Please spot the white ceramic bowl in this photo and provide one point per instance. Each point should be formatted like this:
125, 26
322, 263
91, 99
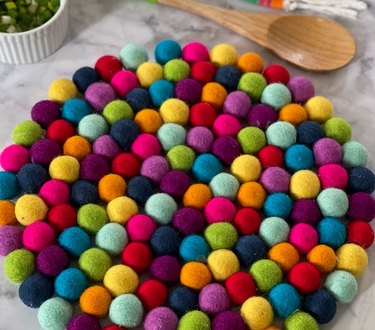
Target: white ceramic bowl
34, 45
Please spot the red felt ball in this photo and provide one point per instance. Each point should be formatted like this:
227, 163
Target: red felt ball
305, 277
240, 286
59, 131
361, 233
152, 294
107, 66
276, 74
126, 165
204, 72
62, 216
270, 156
137, 256
113, 327
247, 221
202, 114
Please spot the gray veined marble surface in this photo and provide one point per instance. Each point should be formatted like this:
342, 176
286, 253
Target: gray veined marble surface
103, 27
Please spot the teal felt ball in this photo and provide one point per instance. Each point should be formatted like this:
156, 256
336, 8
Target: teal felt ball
133, 55
206, 167
112, 238
167, 50
274, 230
333, 202
194, 248
276, 95
126, 310
224, 185
161, 207
9, 186
75, 109
281, 134
284, 299
54, 314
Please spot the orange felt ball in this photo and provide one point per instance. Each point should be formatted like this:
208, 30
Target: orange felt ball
95, 301
250, 62
148, 120
293, 113
197, 196
214, 94
77, 147
285, 255
271, 327
195, 275
111, 186
7, 213
323, 257
251, 194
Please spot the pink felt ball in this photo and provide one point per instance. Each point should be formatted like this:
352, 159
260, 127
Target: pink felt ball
14, 157
55, 192
304, 237
226, 125
123, 82
195, 52
275, 179
145, 146
333, 176
37, 236
140, 227
219, 209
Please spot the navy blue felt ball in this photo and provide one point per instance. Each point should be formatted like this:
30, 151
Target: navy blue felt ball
249, 249
361, 179
31, 178
165, 241
84, 192
321, 305
138, 99
70, 284
182, 300
309, 132
140, 189
124, 132
161, 91
35, 290
167, 50
278, 205
84, 77
228, 76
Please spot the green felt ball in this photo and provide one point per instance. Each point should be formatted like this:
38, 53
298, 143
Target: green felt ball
299, 321
354, 154
276, 95
54, 314
181, 158
126, 310
253, 84
333, 202
338, 129
26, 133
251, 139
94, 263
91, 217
92, 126
221, 235
342, 285
274, 230
194, 320
117, 110
176, 70
133, 55
112, 238
19, 265
266, 274
281, 134
224, 185
171, 135
161, 207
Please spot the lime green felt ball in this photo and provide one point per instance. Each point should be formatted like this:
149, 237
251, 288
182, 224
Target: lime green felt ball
338, 129
26, 133
19, 265
301, 320
94, 263
221, 235
117, 110
54, 314
91, 217
251, 139
266, 274
181, 158
176, 70
253, 84
194, 320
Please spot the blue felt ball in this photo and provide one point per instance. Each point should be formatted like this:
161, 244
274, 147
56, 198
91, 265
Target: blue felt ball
70, 284
321, 305
75, 109
138, 99
278, 205
75, 241
9, 187
298, 157
361, 179
84, 77
249, 249
182, 300
228, 76
284, 299
31, 178
160, 91
165, 241
35, 290
124, 132
309, 132
332, 232
140, 189
167, 50
206, 166
194, 248
84, 192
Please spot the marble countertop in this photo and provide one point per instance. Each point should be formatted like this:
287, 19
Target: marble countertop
103, 27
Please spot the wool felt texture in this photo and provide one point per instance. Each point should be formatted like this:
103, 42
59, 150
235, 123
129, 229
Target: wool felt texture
249, 249
126, 310
55, 313
226, 148
250, 62
62, 216
202, 114
61, 90
105, 146
285, 255
70, 284
148, 121
64, 168
352, 258
219, 209
251, 139
304, 184
94, 263
123, 82
193, 248
214, 94
83, 322
7, 213
228, 320
84, 77
117, 110
281, 134
44, 151
195, 275
37, 236
160, 91
321, 305
228, 76
55, 192
333, 202
304, 237
140, 189
167, 50
323, 257
166, 269
59, 131
332, 232
175, 183
261, 116
221, 235
361, 206
223, 54
124, 132
342, 285
75, 241
27, 133
327, 151
92, 217
165, 241
99, 94
301, 320
194, 52
137, 256
266, 274
240, 286
176, 70
278, 205
206, 167
52, 260
19, 265
181, 157
309, 132
76, 146
276, 95
338, 129
214, 299
74, 110
111, 186
275, 179
361, 233
161, 208
246, 168
305, 277
29, 209
270, 156
171, 135
284, 299
35, 290
45, 112
319, 109
274, 230
113, 327
275, 73
10, 239
121, 209
133, 55
298, 157
138, 99
222, 264
140, 227
237, 103
301, 88
252, 84
84, 192
107, 66
194, 320
188, 90
333, 176
14, 157
188, 220
154, 168
182, 299
203, 72
257, 313
224, 185
120, 279
247, 221
226, 124
10, 185
354, 154
361, 179
112, 238
293, 113
200, 139
153, 294
148, 73
197, 196
161, 317
145, 146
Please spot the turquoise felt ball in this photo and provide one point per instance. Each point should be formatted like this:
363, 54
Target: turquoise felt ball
206, 167
167, 50
298, 157
224, 185
284, 299
342, 285
161, 207
133, 55
332, 232
171, 135
75, 109
194, 248
92, 126
9, 187
126, 310
333, 202
278, 205
281, 134
112, 238
274, 230
54, 314
276, 95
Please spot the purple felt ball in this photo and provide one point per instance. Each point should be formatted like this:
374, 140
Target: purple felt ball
155, 167
226, 148
52, 260
301, 89
262, 116
45, 112
94, 167
238, 104
361, 206
175, 183
10, 239
166, 269
188, 90
43, 151
83, 322
306, 211
106, 146
188, 220
327, 151
99, 94
214, 299
200, 139
228, 320
161, 318
275, 179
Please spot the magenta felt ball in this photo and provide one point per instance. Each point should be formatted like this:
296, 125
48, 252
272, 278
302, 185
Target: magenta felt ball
306, 211
45, 112
304, 237
262, 116
99, 94
195, 52
106, 146
55, 192
154, 168
200, 139
238, 104
226, 148
275, 179
188, 220
219, 209
37, 236
94, 167
145, 146
226, 125
166, 269
10, 239
161, 318
140, 227
361, 206
175, 183
83, 322
52, 260
188, 90
228, 320
123, 82
327, 151
301, 89
43, 151
14, 157
333, 176
214, 299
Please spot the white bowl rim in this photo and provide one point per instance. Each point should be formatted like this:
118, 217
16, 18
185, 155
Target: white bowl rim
62, 6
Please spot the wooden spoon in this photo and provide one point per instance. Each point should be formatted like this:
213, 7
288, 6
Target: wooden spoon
310, 42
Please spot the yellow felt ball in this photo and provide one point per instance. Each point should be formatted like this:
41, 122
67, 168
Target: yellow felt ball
197, 196
352, 258
251, 194
111, 186
285, 255
77, 146
293, 113
214, 94
95, 301
304, 184
148, 73
222, 264
195, 275
121, 209
174, 111
257, 313
64, 168
250, 62
62, 90
323, 257
223, 54
319, 108
7, 213
246, 168
29, 209
148, 121
120, 279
